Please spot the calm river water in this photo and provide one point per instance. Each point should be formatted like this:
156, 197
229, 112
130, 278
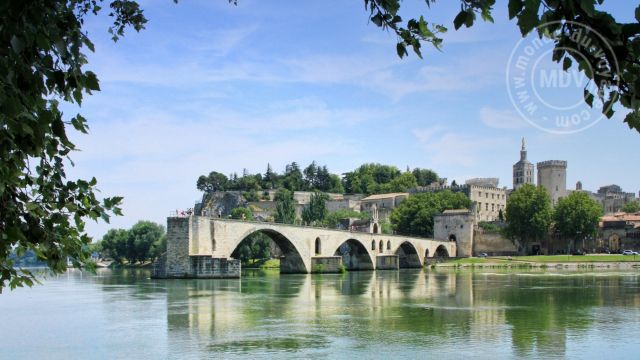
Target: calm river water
385, 314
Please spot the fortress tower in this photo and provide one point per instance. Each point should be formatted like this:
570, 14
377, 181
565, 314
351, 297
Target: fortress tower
522, 170
552, 175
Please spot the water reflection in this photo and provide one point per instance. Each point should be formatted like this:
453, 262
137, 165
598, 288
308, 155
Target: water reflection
522, 314
406, 313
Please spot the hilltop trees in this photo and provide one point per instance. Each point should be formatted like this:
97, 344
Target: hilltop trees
215, 181
366, 179
528, 214
377, 178
414, 216
316, 211
285, 207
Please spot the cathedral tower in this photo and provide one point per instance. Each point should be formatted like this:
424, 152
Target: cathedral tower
522, 170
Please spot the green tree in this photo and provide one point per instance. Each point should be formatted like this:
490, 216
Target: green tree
370, 179
144, 241
241, 213
114, 244
215, 181
576, 216
285, 207
401, 183
256, 246
270, 179
414, 216
316, 211
292, 179
528, 214
333, 218
335, 184
141, 239
631, 206
424, 177
42, 63
618, 70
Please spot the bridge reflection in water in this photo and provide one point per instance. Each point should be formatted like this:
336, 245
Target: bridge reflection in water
514, 313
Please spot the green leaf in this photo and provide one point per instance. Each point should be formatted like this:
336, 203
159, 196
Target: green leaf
528, 18
401, 49
637, 13
588, 97
515, 6
460, 19
633, 120
16, 44
91, 81
566, 63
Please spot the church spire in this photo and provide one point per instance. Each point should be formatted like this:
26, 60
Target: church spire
523, 152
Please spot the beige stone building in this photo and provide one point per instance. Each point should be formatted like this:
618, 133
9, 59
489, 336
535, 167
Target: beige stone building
385, 203
487, 201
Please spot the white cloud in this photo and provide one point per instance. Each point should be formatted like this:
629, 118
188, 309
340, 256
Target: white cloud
445, 147
501, 118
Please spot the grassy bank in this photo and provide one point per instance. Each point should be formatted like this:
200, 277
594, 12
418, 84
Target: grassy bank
544, 259
262, 264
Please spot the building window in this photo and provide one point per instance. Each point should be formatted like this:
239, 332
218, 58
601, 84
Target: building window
388, 244
486, 206
492, 196
486, 195
373, 244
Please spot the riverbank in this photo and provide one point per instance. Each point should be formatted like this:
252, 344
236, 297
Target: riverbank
557, 262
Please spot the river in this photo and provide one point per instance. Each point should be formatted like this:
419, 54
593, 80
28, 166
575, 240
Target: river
122, 314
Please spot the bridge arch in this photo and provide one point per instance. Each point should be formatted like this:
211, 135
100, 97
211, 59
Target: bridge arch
291, 260
441, 252
354, 255
408, 256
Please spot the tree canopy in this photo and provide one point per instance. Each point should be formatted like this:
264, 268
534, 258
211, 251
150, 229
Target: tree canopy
631, 206
42, 63
609, 61
285, 207
576, 216
528, 214
143, 241
414, 215
367, 179
316, 211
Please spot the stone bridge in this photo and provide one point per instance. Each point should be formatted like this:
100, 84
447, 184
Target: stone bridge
200, 246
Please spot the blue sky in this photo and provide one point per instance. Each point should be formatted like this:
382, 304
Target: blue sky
211, 86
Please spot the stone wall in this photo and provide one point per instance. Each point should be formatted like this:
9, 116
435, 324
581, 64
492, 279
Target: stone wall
326, 264
493, 244
387, 262
214, 268
187, 239
455, 225
177, 261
